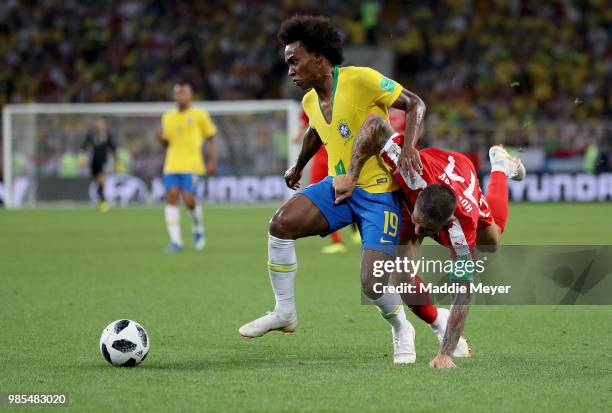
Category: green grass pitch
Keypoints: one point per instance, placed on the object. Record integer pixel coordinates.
(65, 274)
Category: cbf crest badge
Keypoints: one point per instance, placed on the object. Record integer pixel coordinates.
(344, 130)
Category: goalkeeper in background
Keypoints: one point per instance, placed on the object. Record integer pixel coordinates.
(100, 142)
(183, 132)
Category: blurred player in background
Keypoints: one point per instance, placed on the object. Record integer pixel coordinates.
(183, 132)
(318, 172)
(444, 201)
(340, 104)
(99, 141)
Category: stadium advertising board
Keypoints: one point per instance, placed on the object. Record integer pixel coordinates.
(127, 189)
(556, 187)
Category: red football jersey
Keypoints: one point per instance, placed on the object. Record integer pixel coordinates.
(454, 170)
(397, 119)
(318, 167)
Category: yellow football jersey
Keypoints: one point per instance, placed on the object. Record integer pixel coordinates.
(358, 93)
(186, 132)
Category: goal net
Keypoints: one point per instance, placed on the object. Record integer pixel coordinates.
(44, 160)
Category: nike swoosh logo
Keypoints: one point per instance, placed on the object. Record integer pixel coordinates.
(385, 241)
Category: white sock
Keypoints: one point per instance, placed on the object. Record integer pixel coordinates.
(439, 324)
(196, 218)
(282, 267)
(440, 321)
(392, 312)
(173, 223)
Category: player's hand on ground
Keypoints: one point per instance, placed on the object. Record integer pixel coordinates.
(344, 186)
(410, 161)
(442, 361)
(292, 177)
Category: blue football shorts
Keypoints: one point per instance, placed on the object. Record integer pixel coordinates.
(185, 182)
(378, 216)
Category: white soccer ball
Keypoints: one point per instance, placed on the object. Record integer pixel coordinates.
(124, 343)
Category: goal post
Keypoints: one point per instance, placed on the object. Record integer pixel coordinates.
(43, 160)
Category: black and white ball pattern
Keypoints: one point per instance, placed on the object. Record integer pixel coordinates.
(124, 343)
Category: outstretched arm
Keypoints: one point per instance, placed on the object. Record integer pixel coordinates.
(370, 140)
(415, 119)
(456, 321)
(310, 146)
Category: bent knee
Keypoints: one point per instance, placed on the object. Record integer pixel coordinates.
(488, 248)
(172, 197)
(368, 290)
(488, 238)
(189, 200)
(490, 243)
(282, 225)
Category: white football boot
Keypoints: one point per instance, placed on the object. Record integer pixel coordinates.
(439, 329)
(272, 321)
(404, 351)
(502, 161)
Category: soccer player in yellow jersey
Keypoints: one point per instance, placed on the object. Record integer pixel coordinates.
(341, 103)
(183, 131)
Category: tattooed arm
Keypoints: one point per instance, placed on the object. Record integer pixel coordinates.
(456, 321)
(370, 140)
(415, 117)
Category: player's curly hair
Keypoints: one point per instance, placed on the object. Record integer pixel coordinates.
(437, 203)
(316, 34)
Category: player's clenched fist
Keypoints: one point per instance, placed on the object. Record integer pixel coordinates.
(343, 186)
(442, 361)
(292, 177)
(410, 161)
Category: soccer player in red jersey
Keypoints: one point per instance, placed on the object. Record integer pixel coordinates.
(476, 220)
(318, 168)
(442, 201)
(422, 305)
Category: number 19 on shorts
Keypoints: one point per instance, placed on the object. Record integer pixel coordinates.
(391, 223)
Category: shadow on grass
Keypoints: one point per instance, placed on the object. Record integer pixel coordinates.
(213, 362)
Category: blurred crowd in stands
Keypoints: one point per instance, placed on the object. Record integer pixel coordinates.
(478, 59)
(505, 62)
